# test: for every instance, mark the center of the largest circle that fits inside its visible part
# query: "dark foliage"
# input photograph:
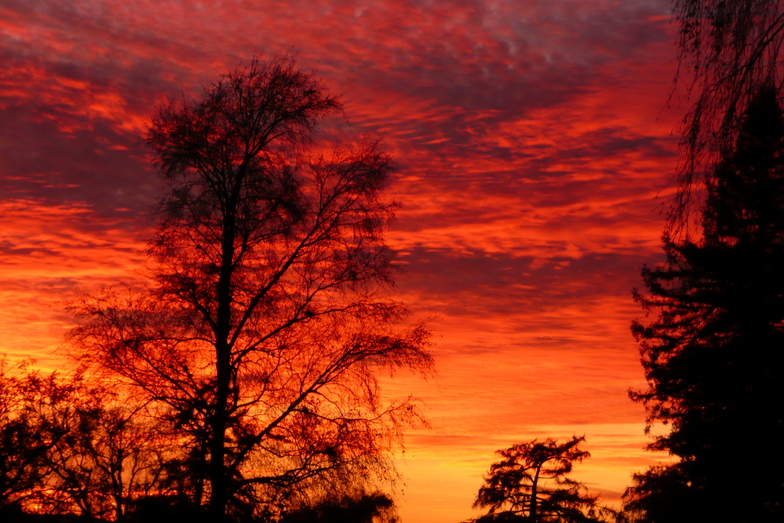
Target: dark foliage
(530, 484)
(727, 49)
(15, 514)
(364, 508)
(714, 356)
(165, 509)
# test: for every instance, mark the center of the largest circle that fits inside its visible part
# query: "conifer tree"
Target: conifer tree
(531, 484)
(714, 356)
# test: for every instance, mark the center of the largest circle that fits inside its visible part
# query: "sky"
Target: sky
(535, 147)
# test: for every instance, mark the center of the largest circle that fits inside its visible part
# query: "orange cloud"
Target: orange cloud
(534, 160)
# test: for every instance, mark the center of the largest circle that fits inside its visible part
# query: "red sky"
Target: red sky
(535, 155)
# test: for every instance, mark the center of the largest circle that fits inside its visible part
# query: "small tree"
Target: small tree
(266, 318)
(530, 484)
(108, 456)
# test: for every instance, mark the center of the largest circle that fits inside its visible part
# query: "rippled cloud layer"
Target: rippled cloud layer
(534, 156)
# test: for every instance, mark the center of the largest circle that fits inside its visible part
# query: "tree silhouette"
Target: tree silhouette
(727, 49)
(24, 441)
(530, 484)
(363, 508)
(713, 357)
(108, 454)
(66, 447)
(266, 318)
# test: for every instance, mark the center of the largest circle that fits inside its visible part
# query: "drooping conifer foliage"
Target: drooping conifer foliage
(726, 49)
(714, 354)
(531, 483)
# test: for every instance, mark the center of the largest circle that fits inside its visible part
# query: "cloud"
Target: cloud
(534, 159)
(50, 256)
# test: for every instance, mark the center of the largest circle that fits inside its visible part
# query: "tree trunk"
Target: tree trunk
(218, 480)
(532, 515)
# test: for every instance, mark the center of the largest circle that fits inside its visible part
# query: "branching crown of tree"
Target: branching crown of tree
(267, 316)
(530, 484)
(66, 447)
(23, 445)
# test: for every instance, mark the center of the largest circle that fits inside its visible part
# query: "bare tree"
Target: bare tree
(267, 316)
(108, 456)
(727, 50)
(68, 447)
(24, 441)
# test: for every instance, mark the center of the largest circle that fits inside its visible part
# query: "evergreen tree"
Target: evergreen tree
(531, 484)
(714, 356)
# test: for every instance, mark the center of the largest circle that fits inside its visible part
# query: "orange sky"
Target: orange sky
(535, 155)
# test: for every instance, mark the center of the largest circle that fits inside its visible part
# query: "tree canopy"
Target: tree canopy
(267, 314)
(713, 356)
(530, 484)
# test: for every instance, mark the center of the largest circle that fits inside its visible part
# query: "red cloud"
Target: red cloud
(531, 157)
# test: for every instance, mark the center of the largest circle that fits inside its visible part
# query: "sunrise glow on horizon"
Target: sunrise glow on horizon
(535, 154)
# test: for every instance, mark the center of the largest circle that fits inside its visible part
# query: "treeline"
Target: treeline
(86, 452)
(72, 447)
